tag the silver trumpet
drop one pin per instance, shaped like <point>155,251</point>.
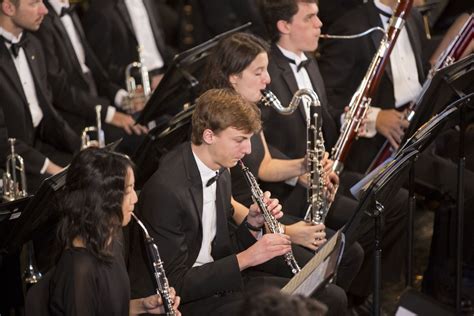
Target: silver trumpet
<point>162,285</point>
<point>14,188</point>
<point>272,223</point>
<point>86,137</point>
<point>137,91</point>
<point>14,178</point>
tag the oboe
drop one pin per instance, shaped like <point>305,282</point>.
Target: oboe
<point>162,286</point>
<point>273,225</point>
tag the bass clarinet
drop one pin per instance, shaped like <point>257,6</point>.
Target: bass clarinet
<point>273,224</point>
<point>162,285</point>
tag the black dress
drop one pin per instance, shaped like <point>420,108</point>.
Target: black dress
<point>84,285</point>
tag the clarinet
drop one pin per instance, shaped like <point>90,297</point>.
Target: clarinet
<point>273,225</point>
<point>162,285</point>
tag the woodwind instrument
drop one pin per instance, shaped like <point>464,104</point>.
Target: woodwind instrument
<point>362,98</point>
<point>272,223</point>
<point>453,52</point>
<point>161,282</point>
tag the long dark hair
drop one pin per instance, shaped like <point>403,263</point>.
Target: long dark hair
<point>91,202</point>
<point>231,56</point>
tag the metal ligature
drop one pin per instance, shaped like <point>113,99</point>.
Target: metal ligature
<point>87,140</point>
<point>137,91</point>
<point>161,282</point>
<point>272,223</point>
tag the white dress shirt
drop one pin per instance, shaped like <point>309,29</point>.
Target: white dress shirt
<point>208,213</point>
<point>144,33</point>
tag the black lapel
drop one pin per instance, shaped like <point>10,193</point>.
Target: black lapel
<point>221,245</point>
<point>194,179</point>
<point>416,45</point>
<point>8,68</point>
<point>58,25</point>
<point>374,20</point>
<point>122,9</point>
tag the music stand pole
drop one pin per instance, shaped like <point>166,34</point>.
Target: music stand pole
<point>460,206</point>
<point>410,225</point>
<point>376,214</point>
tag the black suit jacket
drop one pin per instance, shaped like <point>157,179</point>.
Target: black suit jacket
<point>344,63</point>
<point>287,133</point>
<point>72,95</point>
<point>15,117</point>
<point>110,32</point>
<point>170,205</point>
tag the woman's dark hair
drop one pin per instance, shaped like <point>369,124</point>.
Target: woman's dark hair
<point>231,56</point>
<point>91,201</point>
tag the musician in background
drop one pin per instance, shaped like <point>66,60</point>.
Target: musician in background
<point>44,140</point>
<point>187,204</point>
<point>115,28</point>
<point>294,27</point>
<point>78,80</point>
<point>90,277</point>
<point>344,63</point>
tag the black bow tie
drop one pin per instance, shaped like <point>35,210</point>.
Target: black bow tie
<point>15,47</point>
<point>302,64</point>
<point>67,10</point>
<point>213,179</point>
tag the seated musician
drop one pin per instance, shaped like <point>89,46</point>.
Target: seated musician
<point>90,277</point>
<point>189,208</point>
<point>44,140</point>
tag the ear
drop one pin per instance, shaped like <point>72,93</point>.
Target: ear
<point>283,26</point>
<point>8,8</point>
<point>208,136</point>
<point>233,79</point>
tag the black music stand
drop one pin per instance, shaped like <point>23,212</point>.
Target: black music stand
<point>158,142</point>
<point>445,87</point>
<point>181,82</point>
<point>377,190</point>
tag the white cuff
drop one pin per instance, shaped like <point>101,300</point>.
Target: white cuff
<point>120,97</point>
<point>292,181</point>
<point>110,114</point>
<point>368,129</point>
<point>45,166</point>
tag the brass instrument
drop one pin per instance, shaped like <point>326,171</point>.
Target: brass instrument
<point>162,285</point>
<point>13,187</point>
<point>87,140</point>
<point>137,91</point>
<point>272,223</point>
